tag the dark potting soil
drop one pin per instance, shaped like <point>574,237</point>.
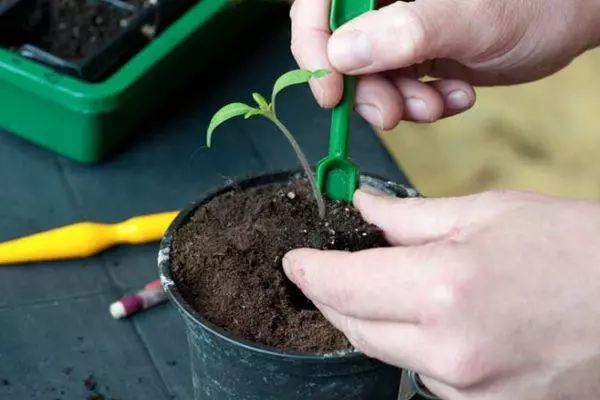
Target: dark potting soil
<point>75,29</point>
<point>227,263</point>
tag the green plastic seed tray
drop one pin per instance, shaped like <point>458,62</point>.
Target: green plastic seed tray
<point>87,121</point>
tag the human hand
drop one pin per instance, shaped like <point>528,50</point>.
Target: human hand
<point>464,43</point>
<point>490,297</point>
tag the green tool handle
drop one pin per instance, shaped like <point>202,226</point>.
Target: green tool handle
<point>340,120</point>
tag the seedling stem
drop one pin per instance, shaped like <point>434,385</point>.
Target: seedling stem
<point>267,110</point>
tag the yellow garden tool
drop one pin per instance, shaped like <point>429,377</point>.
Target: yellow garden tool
<point>85,239</point>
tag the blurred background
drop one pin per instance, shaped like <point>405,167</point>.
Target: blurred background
<point>542,137</point>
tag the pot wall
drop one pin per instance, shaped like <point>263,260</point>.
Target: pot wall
<point>229,368</point>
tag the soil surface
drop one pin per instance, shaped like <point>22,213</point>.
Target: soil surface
<point>227,263</point>
<point>75,29</point>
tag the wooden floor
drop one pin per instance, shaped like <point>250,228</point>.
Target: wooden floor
<point>542,137</point>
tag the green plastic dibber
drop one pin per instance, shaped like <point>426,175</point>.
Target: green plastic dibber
<point>337,176</point>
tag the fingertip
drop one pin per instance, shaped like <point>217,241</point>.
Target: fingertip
<point>367,194</point>
<point>362,196</point>
<point>372,204</point>
<point>295,263</point>
<point>422,103</point>
<point>350,51</point>
<point>290,264</point>
<point>402,220</point>
<point>327,91</point>
<point>371,114</point>
<point>318,93</point>
<point>459,100</point>
<point>378,101</point>
<point>357,197</point>
<point>310,34</point>
<point>458,96</point>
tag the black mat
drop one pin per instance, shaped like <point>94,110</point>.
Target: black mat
<point>55,329</point>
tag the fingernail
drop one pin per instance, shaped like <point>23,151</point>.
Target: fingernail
<point>287,267</point>
<point>319,91</point>
<point>458,100</point>
<point>418,109</point>
<point>371,114</point>
<point>370,190</point>
<point>350,50</point>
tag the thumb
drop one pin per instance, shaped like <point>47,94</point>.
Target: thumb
<point>414,221</point>
<point>400,35</point>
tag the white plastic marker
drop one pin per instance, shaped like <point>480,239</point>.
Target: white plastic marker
<point>152,295</point>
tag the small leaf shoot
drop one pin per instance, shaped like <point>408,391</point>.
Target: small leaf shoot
<point>261,101</point>
<point>294,77</point>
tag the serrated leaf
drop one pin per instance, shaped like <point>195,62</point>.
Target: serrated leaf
<point>227,112</point>
<point>296,77</point>
<point>261,101</point>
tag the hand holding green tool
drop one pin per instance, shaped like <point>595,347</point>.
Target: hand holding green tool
<point>337,176</point>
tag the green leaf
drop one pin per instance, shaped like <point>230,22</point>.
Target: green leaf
<point>261,101</point>
<point>252,113</point>
<point>296,77</point>
<point>229,111</point>
<point>320,73</point>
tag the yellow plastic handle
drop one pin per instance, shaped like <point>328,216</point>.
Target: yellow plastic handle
<point>143,229</point>
<point>85,239</point>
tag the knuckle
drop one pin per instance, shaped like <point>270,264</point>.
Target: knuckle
<point>451,295</point>
<point>408,24</point>
<point>499,194</point>
<point>489,201</point>
<point>463,366</point>
<point>504,199</point>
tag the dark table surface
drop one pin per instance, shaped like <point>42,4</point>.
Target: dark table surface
<point>55,329</point>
